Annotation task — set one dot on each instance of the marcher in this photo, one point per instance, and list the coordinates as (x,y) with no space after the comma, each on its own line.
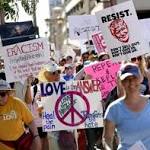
(145,84)
(68,72)
(14,115)
(49,73)
(128,114)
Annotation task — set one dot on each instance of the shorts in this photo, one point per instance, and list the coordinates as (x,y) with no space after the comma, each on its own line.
(41,133)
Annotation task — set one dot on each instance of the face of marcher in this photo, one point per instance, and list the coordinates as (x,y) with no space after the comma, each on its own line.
(69,71)
(131,84)
(105,57)
(3,97)
(85,57)
(52,76)
(136,60)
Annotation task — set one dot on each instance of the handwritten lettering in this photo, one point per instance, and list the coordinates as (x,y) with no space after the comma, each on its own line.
(50,88)
(25,48)
(125,49)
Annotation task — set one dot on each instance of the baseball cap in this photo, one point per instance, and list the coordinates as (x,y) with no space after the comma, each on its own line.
(4,86)
(51,67)
(129,69)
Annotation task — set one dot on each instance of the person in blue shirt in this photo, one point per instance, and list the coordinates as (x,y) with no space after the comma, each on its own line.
(130,114)
(69,72)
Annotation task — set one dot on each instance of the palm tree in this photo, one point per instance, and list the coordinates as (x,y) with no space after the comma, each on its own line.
(9,8)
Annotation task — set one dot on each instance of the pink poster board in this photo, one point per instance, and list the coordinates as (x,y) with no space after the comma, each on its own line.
(106,73)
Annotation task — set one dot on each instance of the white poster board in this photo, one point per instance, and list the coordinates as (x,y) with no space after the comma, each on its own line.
(122,31)
(24,59)
(71,105)
(82,27)
(145,26)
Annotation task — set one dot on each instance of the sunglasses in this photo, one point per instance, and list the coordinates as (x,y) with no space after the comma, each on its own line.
(136,58)
(3,94)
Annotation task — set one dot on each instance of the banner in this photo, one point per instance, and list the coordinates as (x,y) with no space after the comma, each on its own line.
(24,59)
(71,105)
(99,42)
(122,31)
(82,27)
(106,73)
(16,32)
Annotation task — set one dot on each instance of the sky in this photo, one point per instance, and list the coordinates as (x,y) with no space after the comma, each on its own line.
(42,13)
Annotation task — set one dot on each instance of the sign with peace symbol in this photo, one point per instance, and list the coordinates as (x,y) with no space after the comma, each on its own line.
(67,108)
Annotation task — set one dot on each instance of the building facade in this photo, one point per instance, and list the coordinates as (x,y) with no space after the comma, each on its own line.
(60,33)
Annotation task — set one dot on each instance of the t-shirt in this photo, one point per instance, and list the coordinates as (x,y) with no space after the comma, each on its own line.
(131,126)
(13,116)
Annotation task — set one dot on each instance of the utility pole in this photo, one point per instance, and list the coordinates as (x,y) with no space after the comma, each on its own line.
(34,16)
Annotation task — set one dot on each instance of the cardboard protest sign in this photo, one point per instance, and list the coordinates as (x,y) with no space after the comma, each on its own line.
(24,59)
(71,105)
(82,26)
(99,42)
(145,26)
(122,31)
(106,73)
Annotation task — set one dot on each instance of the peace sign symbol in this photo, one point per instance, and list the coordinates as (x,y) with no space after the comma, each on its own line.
(71,110)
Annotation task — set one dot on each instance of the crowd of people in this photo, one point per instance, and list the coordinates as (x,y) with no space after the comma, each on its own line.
(126,109)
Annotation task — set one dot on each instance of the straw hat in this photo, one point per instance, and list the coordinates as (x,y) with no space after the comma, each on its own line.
(50,67)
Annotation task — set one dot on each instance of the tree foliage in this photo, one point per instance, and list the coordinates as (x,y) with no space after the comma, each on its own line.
(11,9)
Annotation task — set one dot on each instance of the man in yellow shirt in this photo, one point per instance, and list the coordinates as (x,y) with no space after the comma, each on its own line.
(14,114)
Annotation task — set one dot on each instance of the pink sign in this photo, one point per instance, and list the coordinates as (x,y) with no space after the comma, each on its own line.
(99,42)
(106,73)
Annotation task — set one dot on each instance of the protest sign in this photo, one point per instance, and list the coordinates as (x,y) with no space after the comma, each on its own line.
(24,59)
(71,105)
(145,26)
(106,73)
(122,31)
(99,42)
(82,27)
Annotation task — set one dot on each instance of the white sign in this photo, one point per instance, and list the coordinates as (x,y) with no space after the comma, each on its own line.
(122,31)
(71,105)
(24,59)
(82,27)
(138,146)
(145,26)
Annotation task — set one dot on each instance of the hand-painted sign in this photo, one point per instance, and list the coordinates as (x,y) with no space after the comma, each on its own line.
(24,59)
(99,42)
(122,31)
(82,27)
(71,105)
(106,73)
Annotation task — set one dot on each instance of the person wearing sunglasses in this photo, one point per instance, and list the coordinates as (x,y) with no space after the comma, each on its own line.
(49,73)
(68,72)
(145,84)
(14,115)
